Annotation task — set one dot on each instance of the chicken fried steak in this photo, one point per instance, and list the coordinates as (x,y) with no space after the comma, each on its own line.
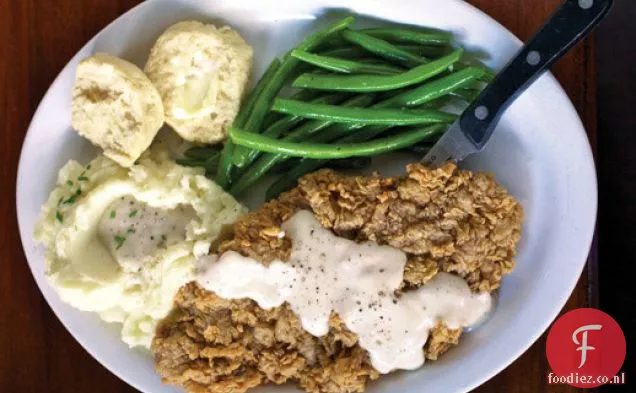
(445,220)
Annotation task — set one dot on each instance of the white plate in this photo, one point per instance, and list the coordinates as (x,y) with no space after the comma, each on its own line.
(540,152)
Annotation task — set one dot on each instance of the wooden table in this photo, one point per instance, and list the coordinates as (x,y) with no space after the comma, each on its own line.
(37,39)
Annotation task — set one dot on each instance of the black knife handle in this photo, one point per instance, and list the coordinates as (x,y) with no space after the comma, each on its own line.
(568,25)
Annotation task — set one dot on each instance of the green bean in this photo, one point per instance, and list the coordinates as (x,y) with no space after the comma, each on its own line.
(349,163)
(427,51)
(397,34)
(443,86)
(285,166)
(372,83)
(488,75)
(468,95)
(250,101)
(310,128)
(414,97)
(289,63)
(356,52)
(327,151)
(210,163)
(273,86)
(223,175)
(268,161)
(190,162)
(341,114)
(336,41)
(307,130)
(289,180)
(353,163)
(301,95)
(344,66)
(224,171)
(346,52)
(243,157)
(424,93)
(201,153)
(305,166)
(383,49)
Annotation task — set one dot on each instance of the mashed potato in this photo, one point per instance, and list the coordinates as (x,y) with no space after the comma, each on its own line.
(120,242)
(202,74)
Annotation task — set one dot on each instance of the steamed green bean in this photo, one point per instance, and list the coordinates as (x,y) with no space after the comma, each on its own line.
(327,151)
(383,49)
(306,165)
(356,52)
(371,116)
(243,156)
(250,101)
(200,153)
(374,83)
(289,63)
(397,34)
(224,170)
(344,66)
(442,86)
(307,130)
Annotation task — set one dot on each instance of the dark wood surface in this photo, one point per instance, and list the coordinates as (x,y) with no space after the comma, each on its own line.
(617,175)
(37,38)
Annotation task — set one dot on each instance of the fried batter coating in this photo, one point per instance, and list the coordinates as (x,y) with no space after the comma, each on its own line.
(445,219)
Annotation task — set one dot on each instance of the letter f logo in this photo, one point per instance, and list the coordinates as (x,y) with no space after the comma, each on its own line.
(584,347)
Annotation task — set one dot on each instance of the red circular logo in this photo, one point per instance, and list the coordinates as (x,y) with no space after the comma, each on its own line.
(585,348)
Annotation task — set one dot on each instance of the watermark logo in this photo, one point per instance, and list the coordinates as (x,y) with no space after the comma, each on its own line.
(586,348)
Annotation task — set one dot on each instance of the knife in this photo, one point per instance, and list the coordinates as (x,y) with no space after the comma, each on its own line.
(571,22)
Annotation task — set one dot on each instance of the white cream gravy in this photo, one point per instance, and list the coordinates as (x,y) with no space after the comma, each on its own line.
(327,273)
(133,231)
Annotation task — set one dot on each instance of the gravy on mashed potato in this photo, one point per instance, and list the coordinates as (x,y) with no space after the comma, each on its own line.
(133,230)
(121,241)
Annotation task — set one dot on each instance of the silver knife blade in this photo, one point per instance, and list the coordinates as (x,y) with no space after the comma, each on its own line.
(452,146)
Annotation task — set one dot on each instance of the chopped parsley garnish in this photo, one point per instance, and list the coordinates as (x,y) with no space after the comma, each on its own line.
(69,183)
(119,241)
(163,237)
(70,200)
(112,214)
(88,166)
(133,213)
(131,230)
(82,178)
(59,202)
(59,216)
